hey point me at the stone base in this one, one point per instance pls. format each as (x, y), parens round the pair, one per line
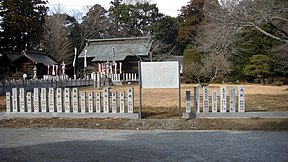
(72, 115)
(188, 115)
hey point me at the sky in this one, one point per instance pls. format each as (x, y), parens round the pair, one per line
(170, 7)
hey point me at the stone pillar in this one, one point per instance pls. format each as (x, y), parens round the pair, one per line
(130, 100)
(15, 99)
(98, 102)
(36, 100)
(205, 99)
(22, 103)
(51, 101)
(91, 102)
(8, 102)
(106, 100)
(83, 102)
(188, 102)
(114, 102)
(241, 99)
(122, 102)
(67, 100)
(232, 99)
(214, 101)
(43, 94)
(223, 99)
(196, 99)
(75, 101)
(29, 101)
(59, 99)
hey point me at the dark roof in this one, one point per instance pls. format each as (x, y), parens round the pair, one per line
(12, 56)
(102, 49)
(39, 58)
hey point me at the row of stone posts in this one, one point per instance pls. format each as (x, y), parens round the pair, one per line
(214, 100)
(61, 100)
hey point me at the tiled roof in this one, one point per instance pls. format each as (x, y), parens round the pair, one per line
(102, 49)
(40, 58)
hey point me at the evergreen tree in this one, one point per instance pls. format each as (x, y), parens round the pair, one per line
(21, 23)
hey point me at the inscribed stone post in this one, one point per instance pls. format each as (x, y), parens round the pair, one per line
(214, 101)
(8, 102)
(15, 99)
(122, 102)
(232, 99)
(241, 99)
(90, 102)
(75, 94)
(196, 99)
(36, 100)
(51, 100)
(222, 99)
(130, 100)
(22, 100)
(106, 100)
(205, 99)
(188, 102)
(98, 102)
(114, 102)
(29, 101)
(67, 100)
(43, 94)
(59, 104)
(83, 102)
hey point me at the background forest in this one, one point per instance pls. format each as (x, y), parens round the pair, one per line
(225, 40)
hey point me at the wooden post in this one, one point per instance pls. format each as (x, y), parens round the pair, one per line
(188, 102)
(241, 99)
(43, 94)
(51, 97)
(67, 100)
(106, 100)
(15, 99)
(91, 102)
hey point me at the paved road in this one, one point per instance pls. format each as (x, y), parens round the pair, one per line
(121, 145)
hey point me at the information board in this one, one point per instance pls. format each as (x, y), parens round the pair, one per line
(160, 74)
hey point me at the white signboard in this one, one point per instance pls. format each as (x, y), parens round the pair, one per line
(160, 74)
(188, 102)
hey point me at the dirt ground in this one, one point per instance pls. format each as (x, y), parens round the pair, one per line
(160, 111)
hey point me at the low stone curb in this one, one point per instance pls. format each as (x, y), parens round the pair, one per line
(276, 114)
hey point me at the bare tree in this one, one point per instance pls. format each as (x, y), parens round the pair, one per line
(55, 40)
(212, 67)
